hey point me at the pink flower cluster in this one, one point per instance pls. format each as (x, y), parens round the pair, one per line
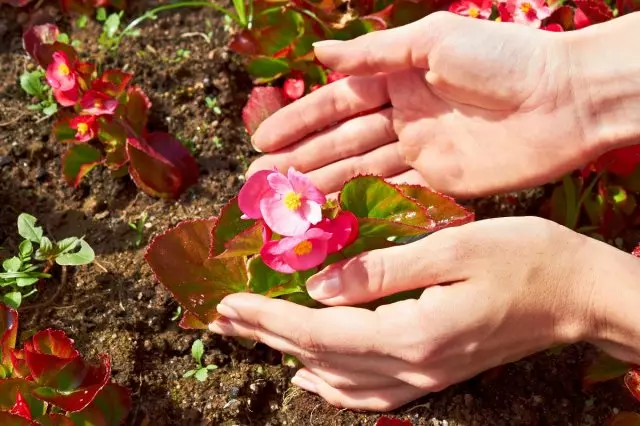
(297, 237)
(526, 12)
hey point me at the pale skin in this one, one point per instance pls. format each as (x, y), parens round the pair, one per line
(476, 108)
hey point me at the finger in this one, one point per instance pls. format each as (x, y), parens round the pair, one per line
(379, 273)
(344, 379)
(386, 51)
(411, 177)
(382, 399)
(384, 161)
(349, 138)
(314, 112)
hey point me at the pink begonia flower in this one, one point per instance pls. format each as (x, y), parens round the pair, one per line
(343, 229)
(300, 253)
(527, 12)
(288, 204)
(85, 127)
(60, 73)
(470, 8)
(67, 98)
(97, 103)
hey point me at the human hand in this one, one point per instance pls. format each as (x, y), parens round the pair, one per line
(478, 107)
(485, 283)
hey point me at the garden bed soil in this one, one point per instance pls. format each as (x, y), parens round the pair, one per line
(115, 306)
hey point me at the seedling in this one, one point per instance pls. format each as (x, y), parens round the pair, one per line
(202, 372)
(36, 256)
(182, 54)
(138, 227)
(212, 104)
(217, 142)
(32, 84)
(177, 313)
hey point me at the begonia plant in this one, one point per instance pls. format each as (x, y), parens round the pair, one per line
(48, 382)
(281, 229)
(104, 121)
(83, 7)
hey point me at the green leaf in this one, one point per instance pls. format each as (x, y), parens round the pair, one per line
(110, 408)
(266, 281)
(188, 374)
(27, 228)
(63, 38)
(111, 25)
(4, 372)
(101, 14)
(67, 244)
(12, 300)
(246, 243)
(605, 368)
(46, 249)
(78, 161)
(25, 282)
(197, 350)
(202, 374)
(265, 69)
(212, 367)
(50, 109)
(241, 11)
(83, 256)
(31, 83)
(81, 22)
(229, 226)
(25, 249)
(12, 265)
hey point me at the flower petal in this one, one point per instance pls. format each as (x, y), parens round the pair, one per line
(255, 189)
(272, 257)
(279, 183)
(315, 257)
(303, 186)
(343, 230)
(282, 220)
(311, 212)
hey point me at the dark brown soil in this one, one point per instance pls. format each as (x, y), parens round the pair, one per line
(115, 306)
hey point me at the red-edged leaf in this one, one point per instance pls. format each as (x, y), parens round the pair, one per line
(8, 334)
(244, 43)
(245, 243)
(388, 421)
(190, 321)
(160, 165)
(625, 418)
(112, 82)
(180, 260)
(54, 342)
(55, 420)
(442, 209)
(21, 408)
(596, 11)
(228, 225)
(8, 419)
(20, 367)
(109, 408)
(9, 389)
(632, 381)
(73, 392)
(562, 16)
(603, 369)
(37, 36)
(137, 109)
(78, 161)
(114, 137)
(263, 101)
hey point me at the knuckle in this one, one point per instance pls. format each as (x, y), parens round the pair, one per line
(425, 383)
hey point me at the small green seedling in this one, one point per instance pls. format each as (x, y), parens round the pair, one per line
(182, 54)
(31, 264)
(212, 104)
(176, 315)
(202, 372)
(138, 226)
(217, 142)
(33, 84)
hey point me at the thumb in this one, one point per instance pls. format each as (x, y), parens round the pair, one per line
(388, 50)
(379, 273)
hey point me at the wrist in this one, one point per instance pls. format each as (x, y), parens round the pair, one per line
(605, 78)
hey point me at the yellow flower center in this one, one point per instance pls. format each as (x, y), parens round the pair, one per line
(526, 7)
(97, 103)
(474, 12)
(64, 69)
(292, 201)
(83, 128)
(303, 248)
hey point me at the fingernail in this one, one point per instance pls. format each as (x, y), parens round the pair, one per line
(253, 144)
(227, 311)
(326, 43)
(303, 383)
(324, 286)
(222, 326)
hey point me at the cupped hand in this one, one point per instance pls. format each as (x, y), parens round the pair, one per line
(494, 291)
(476, 107)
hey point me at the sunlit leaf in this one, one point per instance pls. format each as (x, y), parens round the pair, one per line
(246, 242)
(83, 256)
(266, 69)
(632, 381)
(109, 408)
(8, 334)
(78, 161)
(190, 321)
(263, 102)
(229, 226)
(137, 108)
(27, 228)
(266, 281)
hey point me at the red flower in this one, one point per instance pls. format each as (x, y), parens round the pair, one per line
(85, 127)
(60, 73)
(472, 9)
(97, 103)
(556, 28)
(294, 87)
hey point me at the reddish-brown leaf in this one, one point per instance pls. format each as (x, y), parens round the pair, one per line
(8, 334)
(389, 421)
(180, 260)
(20, 367)
(160, 165)
(112, 82)
(603, 369)
(9, 389)
(38, 35)
(632, 381)
(136, 109)
(109, 408)
(78, 161)
(190, 321)
(8, 419)
(263, 101)
(627, 6)
(442, 209)
(21, 408)
(596, 11)
(625, 418)
(55, 420)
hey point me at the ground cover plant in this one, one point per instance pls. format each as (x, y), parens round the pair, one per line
(48, 382)
(198, 91)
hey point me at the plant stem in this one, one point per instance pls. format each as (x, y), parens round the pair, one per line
(151, 14)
